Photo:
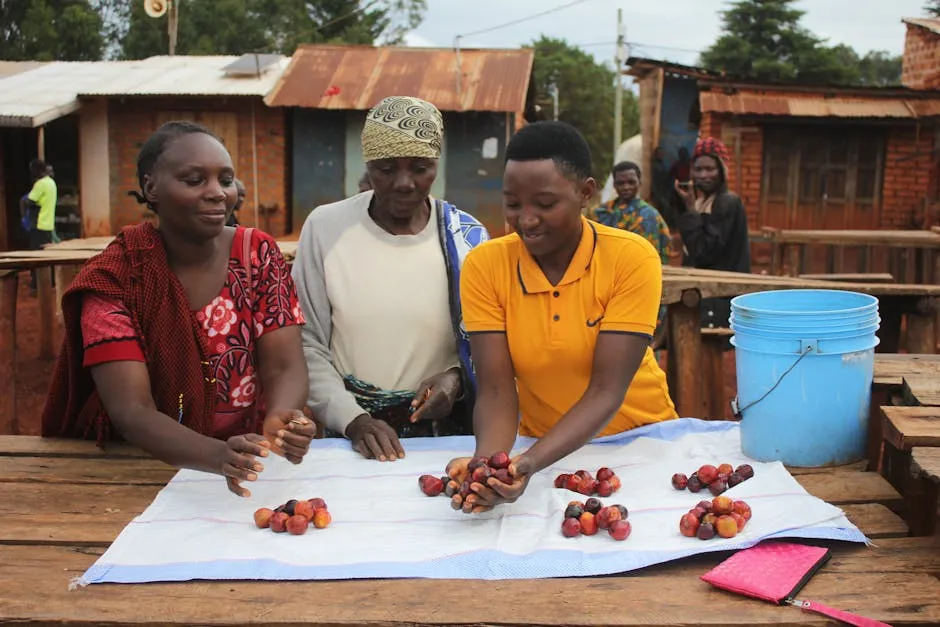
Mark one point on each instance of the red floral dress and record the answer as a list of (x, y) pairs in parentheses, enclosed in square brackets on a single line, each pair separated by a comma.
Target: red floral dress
[(232, 322)]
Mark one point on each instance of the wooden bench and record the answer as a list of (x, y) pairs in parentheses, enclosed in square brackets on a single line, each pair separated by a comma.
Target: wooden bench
[(906, 428), (861, 277)]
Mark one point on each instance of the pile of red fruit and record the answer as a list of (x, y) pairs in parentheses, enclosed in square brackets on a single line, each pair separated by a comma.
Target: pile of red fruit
[(294, 516), (720, 516), (582, 482), (586, 518), (479, 469), (716, 478)]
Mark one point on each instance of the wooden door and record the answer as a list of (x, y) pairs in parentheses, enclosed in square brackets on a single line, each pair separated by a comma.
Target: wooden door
[(223, 123), (822, 178)]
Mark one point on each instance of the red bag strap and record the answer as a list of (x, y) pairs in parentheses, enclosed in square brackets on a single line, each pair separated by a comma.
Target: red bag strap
[(845, 617)]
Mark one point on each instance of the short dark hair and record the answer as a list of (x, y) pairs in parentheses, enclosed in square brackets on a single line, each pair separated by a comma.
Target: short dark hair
[(157, 144), (37, 167), (626, 166), (558, 141)]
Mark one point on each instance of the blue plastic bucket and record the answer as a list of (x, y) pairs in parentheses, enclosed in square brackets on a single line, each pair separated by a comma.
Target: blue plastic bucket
[(805, 363)]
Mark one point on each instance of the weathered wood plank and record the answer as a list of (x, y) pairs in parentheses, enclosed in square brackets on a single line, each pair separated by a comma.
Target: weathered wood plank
[(81, 515), (876, 520), (8, 292), (905, 427), (35, 591), (846, 488), (78, 471), (891, 368), (859, 466), (35, 446), (922, 390)]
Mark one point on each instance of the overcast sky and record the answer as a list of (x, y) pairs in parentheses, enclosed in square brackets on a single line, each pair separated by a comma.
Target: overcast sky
[(662, 29)]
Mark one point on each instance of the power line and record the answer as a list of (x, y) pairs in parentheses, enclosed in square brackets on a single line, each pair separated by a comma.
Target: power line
[(521, 20)]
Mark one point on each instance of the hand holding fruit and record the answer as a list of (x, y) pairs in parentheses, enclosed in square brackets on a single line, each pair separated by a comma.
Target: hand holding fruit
[(289, 433), (478, 484), (436, 396), (238, 460)]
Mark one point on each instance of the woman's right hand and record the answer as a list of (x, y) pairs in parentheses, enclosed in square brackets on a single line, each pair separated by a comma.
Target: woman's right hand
[(239, 460), (686, 192), (374, 439)]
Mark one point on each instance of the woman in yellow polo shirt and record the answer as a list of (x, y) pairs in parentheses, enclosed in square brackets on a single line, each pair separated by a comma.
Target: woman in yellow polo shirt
[(560, 314)]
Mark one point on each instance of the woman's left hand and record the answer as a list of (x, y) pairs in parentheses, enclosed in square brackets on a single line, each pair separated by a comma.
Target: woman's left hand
[(485, 497), (436, 396), (289, 433)]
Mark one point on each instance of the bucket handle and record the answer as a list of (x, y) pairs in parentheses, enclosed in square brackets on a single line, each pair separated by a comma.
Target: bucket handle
[(738, 411)]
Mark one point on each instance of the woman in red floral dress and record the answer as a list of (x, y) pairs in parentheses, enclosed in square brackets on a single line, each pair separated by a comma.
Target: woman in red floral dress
[(186, 339)]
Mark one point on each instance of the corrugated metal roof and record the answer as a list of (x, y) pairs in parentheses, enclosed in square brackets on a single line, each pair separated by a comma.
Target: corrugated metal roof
[(185, 76), (815, 106), (358, 77), (40, 95), (931, 24), (9, 68)]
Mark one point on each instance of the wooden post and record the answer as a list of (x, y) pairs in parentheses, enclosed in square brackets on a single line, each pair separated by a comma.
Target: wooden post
[(8, 288), (46, 311), (892, 312), (793, 259), (684, 355), (922, 327), (64, 275)]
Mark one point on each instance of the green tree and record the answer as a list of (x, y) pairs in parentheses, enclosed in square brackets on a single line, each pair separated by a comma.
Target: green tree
[(50, 30), (932, 8), (880, 68), (763, 40), (585, 97), (240, 26)]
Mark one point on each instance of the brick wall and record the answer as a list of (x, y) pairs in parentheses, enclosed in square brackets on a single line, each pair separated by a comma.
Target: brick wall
[(907, 173), (921, 69), (132, 120)]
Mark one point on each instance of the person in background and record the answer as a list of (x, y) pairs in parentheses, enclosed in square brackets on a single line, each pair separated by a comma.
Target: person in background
[(184, 339), (378, 276), (239, 201), (365, 184), (631, 213), (44, 195), (713, 224), (560, 314)]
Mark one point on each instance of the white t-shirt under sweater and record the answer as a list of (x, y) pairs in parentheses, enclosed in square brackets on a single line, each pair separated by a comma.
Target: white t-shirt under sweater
[(377, 303)]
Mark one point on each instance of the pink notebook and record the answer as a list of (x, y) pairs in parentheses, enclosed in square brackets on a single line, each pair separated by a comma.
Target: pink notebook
[(776, 571)]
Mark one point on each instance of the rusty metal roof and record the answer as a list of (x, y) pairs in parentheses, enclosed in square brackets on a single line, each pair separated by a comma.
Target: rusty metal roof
[(931, 24), (813, 105), (358, 77)]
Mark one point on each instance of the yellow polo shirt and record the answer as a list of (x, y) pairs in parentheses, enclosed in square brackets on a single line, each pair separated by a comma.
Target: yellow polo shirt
[(613, 284)]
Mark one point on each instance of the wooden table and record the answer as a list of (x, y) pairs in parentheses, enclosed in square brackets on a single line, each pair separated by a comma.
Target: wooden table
[(912, 254), (683, 289), (63, 502)]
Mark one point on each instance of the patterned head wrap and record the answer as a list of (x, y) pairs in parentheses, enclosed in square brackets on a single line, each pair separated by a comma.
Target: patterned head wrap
[(711, 147), (402, 126)]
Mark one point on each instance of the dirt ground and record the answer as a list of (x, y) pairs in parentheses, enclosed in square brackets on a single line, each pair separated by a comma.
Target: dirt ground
[(33, 374)]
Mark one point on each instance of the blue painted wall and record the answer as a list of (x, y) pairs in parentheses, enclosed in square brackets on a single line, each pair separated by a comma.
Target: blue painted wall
[(470, 177), (318, 143), (679, 99), (475, 179)]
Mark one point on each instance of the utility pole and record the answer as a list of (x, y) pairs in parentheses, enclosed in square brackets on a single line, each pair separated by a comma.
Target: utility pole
[(618, 85), (172, 24), (553, 90)]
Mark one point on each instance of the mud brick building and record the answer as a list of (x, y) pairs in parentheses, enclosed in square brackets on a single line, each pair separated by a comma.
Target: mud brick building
[(811, 156)]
